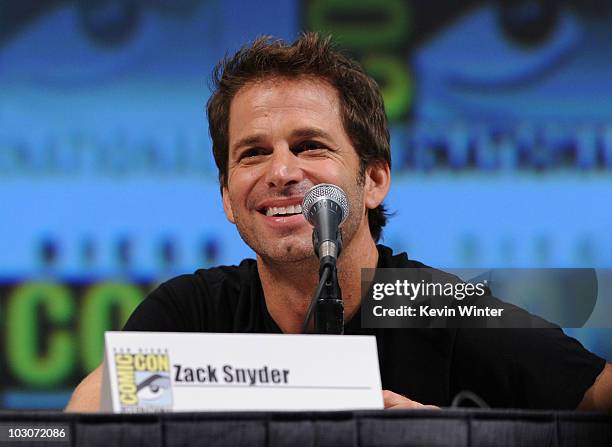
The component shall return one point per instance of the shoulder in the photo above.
(202, 301)
(206, 290)
(211, 282)
(388, 259)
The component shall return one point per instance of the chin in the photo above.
(294, 246)
(288, 252)
(295, 254)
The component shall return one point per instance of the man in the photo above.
(282, 119)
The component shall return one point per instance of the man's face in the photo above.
(286, 136)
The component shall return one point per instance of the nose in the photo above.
(284, 168)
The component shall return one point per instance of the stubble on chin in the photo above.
(286, 254)
(282, 250)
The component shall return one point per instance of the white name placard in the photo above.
(161, 371)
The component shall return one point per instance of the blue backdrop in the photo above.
(501, 140)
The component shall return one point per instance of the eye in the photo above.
(309, 145)
(252, 152)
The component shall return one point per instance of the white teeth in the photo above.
(281, 210)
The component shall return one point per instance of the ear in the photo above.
(227, 205)
(377, 183)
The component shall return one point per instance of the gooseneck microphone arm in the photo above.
(329, 317)
(325, 206)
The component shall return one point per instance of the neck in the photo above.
(289, 287)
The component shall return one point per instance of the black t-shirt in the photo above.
(517, 368)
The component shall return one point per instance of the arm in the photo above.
(599, 396)
(86, 396)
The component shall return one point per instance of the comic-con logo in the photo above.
(143, 380)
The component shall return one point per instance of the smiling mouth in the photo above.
(274, 211)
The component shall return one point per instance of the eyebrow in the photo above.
(310, 132)
(303, 132)
(249, 141)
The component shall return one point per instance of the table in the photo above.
(448, 427)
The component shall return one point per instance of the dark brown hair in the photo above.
(361, 104)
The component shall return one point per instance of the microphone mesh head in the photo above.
(325, 191)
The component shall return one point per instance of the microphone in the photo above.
(325, 207)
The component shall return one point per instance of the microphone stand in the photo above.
(329, 314)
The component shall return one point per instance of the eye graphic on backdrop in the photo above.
(109, 22)
(529, 22)
(481, 65)
(112, 40)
